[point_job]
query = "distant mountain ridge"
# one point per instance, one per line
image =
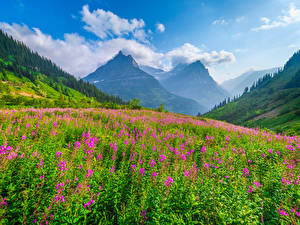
(194, 81)
(122, 76)
(274, 102)
(237, 85)
(155, 72)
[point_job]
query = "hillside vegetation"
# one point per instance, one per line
(273, 102)
(29, 79)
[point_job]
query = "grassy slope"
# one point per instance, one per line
(15, 90)
(272, 105)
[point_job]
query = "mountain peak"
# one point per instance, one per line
(122, 59)
(120, 53)
(197, 64)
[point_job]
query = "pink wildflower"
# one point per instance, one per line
(245, 172)
(77, 145)
(168, 181)
(152, 163)
(250, 189)
(162, 158)
(183, 157)
(90, 173)
(142, 171)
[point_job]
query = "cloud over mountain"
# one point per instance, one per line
(80, 56)
(188, 53)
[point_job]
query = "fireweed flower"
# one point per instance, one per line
(3, 202)
(59, 199)
(257, 184)
(250, 189)
(290, 147)
(154, 174)
(183, 157)
(203, 149)
(62, 166)
(58, 154)
(206, 165)
(77, 145)
(186, 173)
(142, 171)
(162, 158)
(168, 181)
(23, 137)
(133, 168)
(282, 212)
(112, 170)
(152, 163)
(245, 172)
(99, 157)
(90, 173)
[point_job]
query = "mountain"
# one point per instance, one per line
(31, 80)
(155, 72)
(122, 76)
(237, 85)
(193, 81)
(273, 102)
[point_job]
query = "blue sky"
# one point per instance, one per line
(228, 36)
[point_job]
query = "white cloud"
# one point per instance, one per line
(106, 24)
(160, 27)
(291, 16)
(188, 53)
(220, 21)
(265, 20)
(80, 57)
(77, 55)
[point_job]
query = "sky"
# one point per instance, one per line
(229, 36)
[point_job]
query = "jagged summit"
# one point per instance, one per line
(122, 59)
(197, 64)
(194, 81)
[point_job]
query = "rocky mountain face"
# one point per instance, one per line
(194, 81)
(121, 76)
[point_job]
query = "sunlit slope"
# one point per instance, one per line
(274, 103)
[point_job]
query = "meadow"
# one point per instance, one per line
(105, 166)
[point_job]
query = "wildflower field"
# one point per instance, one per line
(103, 166)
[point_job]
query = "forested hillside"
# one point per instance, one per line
(272, 102)
(24, 70)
